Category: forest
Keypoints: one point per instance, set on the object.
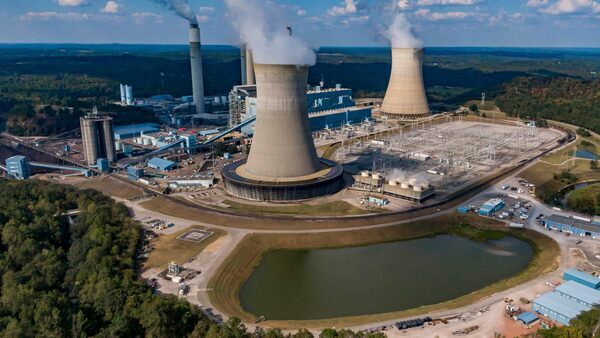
(565, 99)
(78, 277)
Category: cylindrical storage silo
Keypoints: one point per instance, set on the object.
(118, 145)
(147, 141)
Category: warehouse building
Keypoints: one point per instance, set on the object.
(572, 226)
(490, 207)
(161, 164)
(558, 308)
(582, 278)
(580, 293)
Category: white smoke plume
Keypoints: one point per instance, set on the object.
(180, 7)
(397, 28)
(261, 28)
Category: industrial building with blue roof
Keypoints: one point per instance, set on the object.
(582, 278)
(491, 206)
(557, 307)
(572, 226)
(576, 295)
(161, 164)
(582, 294)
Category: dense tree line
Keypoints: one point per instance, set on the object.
(78, 277)
(25, 120)
(564, 99)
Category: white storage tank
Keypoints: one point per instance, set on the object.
(138, 140)
(376, 176)
(147, 141)
(118, 145)
(364, 174)
(404, 185)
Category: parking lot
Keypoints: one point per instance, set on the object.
(156, 224)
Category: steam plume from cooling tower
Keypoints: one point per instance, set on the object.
(395, 26)
(266, 35)
(180, 7)
(400, 33)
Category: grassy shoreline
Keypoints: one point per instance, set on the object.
(230, 276)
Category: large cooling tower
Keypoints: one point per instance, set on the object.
(196, 61)
(282, 146)
(405, 96)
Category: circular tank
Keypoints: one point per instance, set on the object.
(364, 174)
(154, 141)
(138, 140)
(404, 185)
(376, 176)
(147, 141)
(118, 145)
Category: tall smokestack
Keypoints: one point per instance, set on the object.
(243, 64)
(196, 61)
(282, 146)
(250, 76)
(405, 96)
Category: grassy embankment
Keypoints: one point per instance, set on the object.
(167, 248)
(559, 169)
(335, 208)
(230, 276)
(111, 187)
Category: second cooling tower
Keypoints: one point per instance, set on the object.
(405, 97)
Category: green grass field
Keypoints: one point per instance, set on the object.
(335, 208)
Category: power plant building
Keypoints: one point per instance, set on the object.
(98, 138)
(18, 167)
(283, 164)
(405, 97)
(327, 108)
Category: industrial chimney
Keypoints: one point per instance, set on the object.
(196, 61)
(282, 146)
(405, 96)
(243, 64)
(250, 76)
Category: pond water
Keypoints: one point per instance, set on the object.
(327, 283)
(586, 154)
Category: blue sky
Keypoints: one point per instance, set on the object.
(518, 23)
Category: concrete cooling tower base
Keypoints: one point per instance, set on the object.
(240, 183)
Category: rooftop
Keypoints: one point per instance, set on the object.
(160, 163)
(562, 305)
(573, 222)
(527, 317)
(583, 276)
(580, 291)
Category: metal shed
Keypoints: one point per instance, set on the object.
(161, 164)
(527, 318)
(582, 278)
(557, 307)
(580, 293)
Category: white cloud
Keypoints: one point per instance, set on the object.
(72, 3)
(206, 10)
(448, 2)
(143, 17)
(53, 16)
(301, 12)
(572, 7)
(537, 3)
(111, 7)
(438, 16)
(348, 8)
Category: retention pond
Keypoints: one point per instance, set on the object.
(328, 283)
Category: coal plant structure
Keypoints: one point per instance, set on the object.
(98, 137)
(196, 63)
(248, 78)
(283, 164)
(405, 97)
